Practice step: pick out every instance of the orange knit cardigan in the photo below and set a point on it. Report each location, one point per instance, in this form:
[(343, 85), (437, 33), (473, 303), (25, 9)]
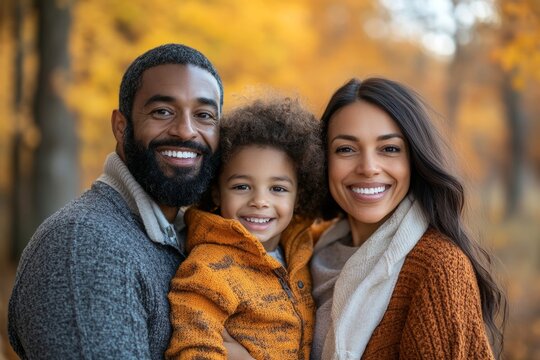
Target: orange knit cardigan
[(228, 280), (434, 311)]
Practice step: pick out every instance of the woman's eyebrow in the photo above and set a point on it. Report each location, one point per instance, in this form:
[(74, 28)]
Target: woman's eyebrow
[(390, 136), (344, 137)]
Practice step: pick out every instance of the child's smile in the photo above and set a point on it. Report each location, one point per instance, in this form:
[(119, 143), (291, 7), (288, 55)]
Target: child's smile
[(258, 187)]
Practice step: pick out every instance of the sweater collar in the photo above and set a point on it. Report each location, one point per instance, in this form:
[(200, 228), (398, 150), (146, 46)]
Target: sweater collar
[(159, 230)]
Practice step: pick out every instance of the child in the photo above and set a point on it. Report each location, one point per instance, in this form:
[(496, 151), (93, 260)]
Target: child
[(247, 270)]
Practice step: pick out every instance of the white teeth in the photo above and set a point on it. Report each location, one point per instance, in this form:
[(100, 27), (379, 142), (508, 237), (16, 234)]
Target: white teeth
[(179, 154), (368, 191), (258, 220)]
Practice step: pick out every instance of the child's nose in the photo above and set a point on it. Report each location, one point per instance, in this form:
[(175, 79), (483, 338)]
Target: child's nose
[(259, 200)]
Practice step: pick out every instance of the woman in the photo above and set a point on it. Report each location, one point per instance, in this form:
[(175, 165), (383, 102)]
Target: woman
[(396, 276)]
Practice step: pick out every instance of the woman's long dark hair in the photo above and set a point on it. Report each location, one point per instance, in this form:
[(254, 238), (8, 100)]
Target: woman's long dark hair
[(440, 194)]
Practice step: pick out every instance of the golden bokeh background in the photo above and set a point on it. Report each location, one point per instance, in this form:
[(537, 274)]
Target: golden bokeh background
[(476, 62)]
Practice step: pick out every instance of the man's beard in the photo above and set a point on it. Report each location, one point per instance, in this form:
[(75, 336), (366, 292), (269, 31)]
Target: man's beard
[(185, 186)]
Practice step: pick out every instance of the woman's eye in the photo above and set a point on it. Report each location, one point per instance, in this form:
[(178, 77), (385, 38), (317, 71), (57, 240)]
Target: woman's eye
[(391, 149), (344, 149), (278, 189), (240, 187)]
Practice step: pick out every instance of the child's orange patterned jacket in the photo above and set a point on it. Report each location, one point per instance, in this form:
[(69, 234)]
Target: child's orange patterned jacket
[(228, 280)]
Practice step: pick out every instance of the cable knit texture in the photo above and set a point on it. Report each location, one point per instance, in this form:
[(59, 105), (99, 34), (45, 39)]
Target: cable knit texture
[(434, 312), (229, 280)]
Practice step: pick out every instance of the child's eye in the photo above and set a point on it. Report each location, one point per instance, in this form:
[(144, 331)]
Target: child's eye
[(279, 189), (241, 187)]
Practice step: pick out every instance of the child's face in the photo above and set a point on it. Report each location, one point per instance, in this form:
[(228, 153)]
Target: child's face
[(258, 187)]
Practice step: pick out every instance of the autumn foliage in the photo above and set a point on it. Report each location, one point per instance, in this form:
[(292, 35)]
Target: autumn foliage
[(484, 98)]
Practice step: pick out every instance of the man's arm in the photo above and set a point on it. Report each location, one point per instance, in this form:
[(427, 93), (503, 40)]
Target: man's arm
[(78, 298)]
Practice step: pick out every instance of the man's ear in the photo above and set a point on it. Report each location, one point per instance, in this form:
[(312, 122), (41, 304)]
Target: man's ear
[(119, 125)]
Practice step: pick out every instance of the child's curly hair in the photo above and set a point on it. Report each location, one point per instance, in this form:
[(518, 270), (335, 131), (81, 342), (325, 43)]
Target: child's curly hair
[(283, 124)]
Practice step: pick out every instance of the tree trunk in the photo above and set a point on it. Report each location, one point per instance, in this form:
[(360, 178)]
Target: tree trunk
[(515, 174), (56, 169), (21, 186)]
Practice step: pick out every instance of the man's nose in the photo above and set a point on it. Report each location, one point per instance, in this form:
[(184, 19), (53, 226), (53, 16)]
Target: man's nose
[(183, 127)]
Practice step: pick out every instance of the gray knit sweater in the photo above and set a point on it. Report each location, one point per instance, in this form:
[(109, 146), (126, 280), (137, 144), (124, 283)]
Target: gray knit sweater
[(91, 285)]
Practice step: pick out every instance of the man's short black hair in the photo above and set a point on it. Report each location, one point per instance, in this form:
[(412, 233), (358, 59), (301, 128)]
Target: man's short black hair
[(161, 55)]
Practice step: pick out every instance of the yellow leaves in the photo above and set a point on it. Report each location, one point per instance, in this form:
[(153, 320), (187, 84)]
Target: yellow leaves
[(522, 55), (305, 47), (258, 37), (518, 9), (520, 51), (248, 41)]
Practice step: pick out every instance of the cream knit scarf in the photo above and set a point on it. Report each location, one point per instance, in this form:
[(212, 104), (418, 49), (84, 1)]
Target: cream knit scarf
[(364, 288), (116, 175)]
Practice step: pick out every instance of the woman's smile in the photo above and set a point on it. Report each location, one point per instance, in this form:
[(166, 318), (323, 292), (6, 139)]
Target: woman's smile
[(368, 163)]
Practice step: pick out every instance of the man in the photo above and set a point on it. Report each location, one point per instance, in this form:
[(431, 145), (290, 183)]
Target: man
[(93, 280)]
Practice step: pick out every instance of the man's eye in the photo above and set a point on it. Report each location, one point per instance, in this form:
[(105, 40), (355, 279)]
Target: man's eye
[(206, 116), (161, 114)]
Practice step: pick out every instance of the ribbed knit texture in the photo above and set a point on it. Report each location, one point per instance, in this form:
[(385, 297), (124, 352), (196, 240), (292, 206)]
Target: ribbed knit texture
[(435, 311), (229, 280)]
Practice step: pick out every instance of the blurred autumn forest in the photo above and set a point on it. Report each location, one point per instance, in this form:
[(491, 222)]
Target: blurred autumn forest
[(476, 62)]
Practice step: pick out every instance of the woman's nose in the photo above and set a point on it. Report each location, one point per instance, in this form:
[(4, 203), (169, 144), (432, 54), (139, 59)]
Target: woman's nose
[(368, 165)]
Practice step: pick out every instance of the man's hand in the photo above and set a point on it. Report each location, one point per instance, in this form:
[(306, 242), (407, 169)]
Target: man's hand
[(235, 351)]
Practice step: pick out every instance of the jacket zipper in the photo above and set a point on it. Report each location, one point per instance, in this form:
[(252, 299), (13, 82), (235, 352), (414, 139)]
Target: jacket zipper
[(288, 291)]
